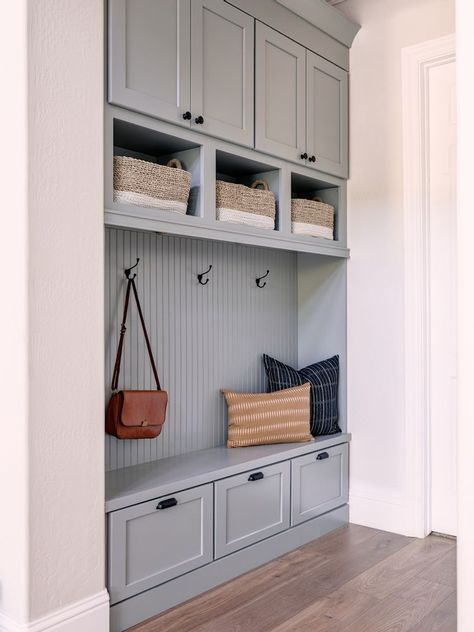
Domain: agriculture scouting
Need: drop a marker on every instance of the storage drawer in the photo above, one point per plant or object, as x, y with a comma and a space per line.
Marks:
155, 541
319, 482
251, 506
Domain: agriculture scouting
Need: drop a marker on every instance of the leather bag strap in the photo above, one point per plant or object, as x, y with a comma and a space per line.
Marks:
123, 329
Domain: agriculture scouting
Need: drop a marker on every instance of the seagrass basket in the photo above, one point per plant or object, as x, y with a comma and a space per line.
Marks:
312, 217
239, 204
148, 184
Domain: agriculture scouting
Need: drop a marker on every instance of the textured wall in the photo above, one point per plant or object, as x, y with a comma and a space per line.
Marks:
206, 338
66, 441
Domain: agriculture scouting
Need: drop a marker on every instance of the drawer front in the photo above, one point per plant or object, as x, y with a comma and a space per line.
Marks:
319, 483
155, 541
251, 506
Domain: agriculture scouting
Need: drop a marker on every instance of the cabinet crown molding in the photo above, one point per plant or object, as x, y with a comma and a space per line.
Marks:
325, 17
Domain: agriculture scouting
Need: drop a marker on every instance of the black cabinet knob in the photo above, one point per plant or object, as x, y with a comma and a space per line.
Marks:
199, 120
257, 476
304, 156
312, 158
187, 116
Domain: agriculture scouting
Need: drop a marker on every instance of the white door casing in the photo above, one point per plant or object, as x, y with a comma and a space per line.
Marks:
443, 296
419, 66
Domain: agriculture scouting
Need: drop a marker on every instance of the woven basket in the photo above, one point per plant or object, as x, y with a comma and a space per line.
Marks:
240, 204
148, 184
312, 217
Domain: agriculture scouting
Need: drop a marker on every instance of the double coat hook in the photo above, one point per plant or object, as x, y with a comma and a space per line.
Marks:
128, 270
200, 276
258, 279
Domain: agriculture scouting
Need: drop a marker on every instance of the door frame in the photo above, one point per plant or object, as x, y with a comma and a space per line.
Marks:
417, 61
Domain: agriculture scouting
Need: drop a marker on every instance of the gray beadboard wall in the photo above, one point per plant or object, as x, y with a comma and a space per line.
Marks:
206, 337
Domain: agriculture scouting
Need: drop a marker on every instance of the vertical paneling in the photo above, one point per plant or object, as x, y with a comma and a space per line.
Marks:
205, 337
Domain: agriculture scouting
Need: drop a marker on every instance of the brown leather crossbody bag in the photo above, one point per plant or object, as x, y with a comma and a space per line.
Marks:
135, 414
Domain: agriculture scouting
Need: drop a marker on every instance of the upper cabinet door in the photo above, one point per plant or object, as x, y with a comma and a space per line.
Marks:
280, 95
222, 71
149, 57
327, 116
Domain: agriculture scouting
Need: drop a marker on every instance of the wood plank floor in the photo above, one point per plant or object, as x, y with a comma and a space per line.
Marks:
353, 580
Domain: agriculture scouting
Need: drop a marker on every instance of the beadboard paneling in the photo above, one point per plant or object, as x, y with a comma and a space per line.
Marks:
205, 337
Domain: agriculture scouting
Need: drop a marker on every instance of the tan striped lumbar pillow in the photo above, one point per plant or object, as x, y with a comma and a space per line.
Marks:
261, 418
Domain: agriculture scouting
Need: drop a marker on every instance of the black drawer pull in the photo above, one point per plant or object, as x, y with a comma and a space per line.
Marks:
304, 156
322, 455
169, 502
256, 477
199, 120
187, 115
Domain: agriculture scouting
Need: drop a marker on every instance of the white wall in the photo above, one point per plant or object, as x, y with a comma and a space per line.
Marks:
379, 488
53, 547
13, 340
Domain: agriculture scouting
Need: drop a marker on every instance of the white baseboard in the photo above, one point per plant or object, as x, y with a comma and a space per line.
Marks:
88, 615
380, 514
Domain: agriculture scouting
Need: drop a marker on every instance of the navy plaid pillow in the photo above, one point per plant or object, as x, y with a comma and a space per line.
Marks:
324, 379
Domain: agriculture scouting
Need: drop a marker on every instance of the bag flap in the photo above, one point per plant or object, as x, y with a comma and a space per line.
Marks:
143, 408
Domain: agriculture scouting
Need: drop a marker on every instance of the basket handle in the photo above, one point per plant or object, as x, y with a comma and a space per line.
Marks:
257, 183
315, 198
174, 162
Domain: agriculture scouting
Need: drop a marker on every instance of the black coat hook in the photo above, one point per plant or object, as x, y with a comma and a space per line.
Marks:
128, 270
202, 274
257, 280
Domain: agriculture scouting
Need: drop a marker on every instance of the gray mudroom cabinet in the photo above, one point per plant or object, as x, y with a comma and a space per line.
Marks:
327, 116
196, 64
156, 541
190, 63
330, 468
188, 523
149, 56
279, 111
307, 121
236, 90
251, 506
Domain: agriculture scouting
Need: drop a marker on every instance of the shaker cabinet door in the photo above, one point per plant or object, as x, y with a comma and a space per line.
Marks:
149, 57
279, 95
327, 116
250, 507
222, 71
155, 541
319, 483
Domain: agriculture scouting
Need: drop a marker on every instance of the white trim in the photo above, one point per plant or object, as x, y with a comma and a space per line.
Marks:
382, 514
91, 614
465, 288
417, 62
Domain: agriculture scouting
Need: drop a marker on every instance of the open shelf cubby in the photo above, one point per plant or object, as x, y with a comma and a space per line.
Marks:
231, 167
304, 186
158, 147
208, 160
